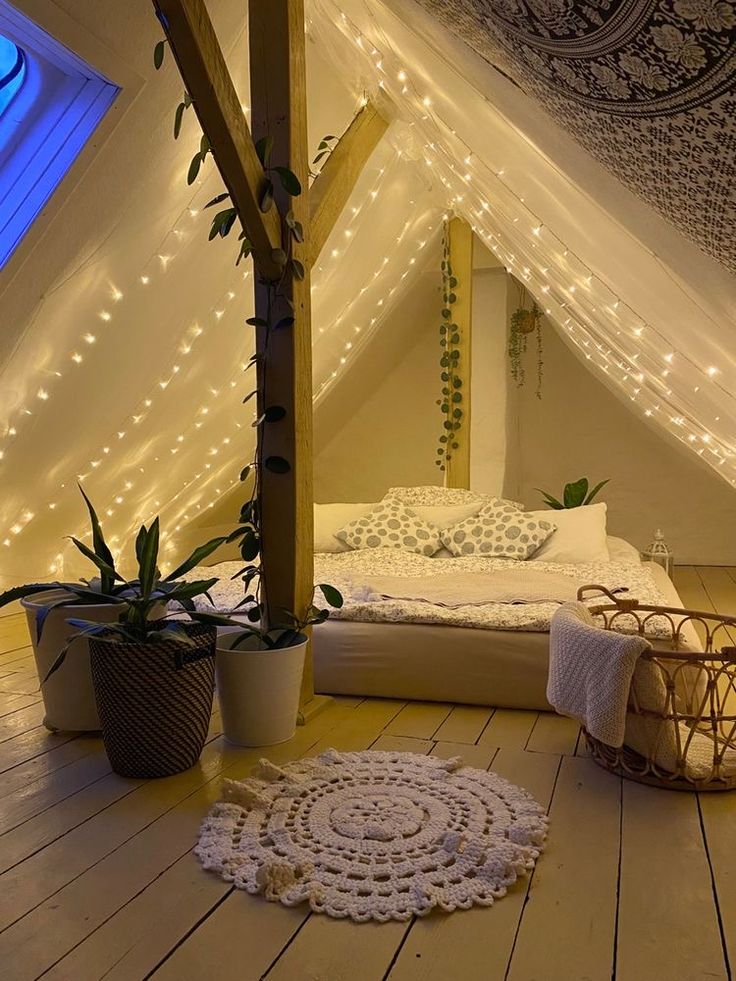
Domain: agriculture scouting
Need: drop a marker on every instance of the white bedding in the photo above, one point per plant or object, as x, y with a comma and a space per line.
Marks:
351, 572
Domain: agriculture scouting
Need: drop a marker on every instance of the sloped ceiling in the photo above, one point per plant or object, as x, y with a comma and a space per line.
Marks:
647, 86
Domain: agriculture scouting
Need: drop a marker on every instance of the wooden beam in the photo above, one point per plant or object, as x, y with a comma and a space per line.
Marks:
457, 473
279, 110
207, 80
334, 185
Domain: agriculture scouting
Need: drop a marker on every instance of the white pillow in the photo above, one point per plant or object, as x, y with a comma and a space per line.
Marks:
580, 535
620, 550
329, 519
391, 525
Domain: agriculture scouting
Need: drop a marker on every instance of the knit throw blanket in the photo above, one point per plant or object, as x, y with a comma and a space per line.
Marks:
590, 672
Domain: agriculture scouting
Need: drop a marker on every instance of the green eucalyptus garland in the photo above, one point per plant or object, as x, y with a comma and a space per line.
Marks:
452, 397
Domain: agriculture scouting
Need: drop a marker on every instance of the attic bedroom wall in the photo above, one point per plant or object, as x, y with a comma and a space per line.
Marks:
378, 426
579, 428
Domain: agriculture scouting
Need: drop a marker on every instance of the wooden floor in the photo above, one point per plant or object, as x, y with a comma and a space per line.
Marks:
97, 879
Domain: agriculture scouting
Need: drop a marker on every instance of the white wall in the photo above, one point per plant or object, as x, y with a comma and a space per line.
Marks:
489, 381
579, 428
380, 425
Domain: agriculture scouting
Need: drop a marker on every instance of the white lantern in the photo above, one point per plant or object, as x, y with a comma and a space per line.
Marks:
658, 551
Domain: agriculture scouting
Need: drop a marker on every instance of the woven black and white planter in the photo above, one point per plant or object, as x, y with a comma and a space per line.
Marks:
154, 701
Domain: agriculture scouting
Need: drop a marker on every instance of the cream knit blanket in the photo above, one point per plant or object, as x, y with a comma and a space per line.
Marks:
590, 672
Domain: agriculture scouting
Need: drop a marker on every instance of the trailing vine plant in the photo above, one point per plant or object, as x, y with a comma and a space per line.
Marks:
274, 628
524, 322
452, 397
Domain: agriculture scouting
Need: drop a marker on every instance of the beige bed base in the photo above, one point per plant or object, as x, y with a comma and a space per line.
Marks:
437, 663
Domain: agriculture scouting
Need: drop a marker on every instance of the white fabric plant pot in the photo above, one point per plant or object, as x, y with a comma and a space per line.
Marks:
258, 690
68, 696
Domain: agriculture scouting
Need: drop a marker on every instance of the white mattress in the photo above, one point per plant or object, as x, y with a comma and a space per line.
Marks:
435, 662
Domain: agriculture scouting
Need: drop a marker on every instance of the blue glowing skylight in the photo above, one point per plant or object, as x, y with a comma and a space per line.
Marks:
51, 102
12, 71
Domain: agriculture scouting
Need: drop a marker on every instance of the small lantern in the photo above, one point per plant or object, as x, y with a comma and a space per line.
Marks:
658, 551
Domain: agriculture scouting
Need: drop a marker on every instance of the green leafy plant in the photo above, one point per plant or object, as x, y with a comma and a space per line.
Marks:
524, 322
273, 628
575, 494
451, 402
138, 598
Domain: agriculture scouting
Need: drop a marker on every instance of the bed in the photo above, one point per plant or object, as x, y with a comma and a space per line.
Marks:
483, 654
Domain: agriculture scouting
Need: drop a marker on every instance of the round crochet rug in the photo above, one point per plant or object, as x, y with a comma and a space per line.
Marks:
373, 835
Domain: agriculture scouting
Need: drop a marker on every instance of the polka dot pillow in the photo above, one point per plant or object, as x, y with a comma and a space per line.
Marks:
391, 525
499, 532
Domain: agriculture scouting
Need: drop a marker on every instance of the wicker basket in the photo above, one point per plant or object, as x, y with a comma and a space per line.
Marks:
154, 701
681, 714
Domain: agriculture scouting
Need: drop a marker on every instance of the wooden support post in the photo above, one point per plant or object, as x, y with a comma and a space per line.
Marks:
279, 110
460, 233
202, 66
334, 185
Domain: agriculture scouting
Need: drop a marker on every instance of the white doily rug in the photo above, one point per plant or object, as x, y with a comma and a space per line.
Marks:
373, 835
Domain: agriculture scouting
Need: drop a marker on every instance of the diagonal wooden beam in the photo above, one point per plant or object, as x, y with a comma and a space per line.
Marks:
332, 188
202, 66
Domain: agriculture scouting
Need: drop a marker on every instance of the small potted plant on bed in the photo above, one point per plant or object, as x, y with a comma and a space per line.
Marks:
128, 620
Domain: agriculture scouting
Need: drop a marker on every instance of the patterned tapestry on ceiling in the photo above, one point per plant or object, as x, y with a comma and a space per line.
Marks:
647, 86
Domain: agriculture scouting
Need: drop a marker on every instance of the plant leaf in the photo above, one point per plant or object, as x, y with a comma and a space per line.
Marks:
178, 116
277, 464
104, 568
289, 181
264, 148
194, 168
158, 54
147, 563
574, 493
197, 557
217, 200
595, 490
332, 595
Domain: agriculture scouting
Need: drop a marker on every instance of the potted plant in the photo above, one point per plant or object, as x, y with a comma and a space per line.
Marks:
575, 494
260, 665
259, 673
65, 618
524, 322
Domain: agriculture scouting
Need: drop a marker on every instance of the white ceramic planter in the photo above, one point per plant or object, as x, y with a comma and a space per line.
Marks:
68, 695
258, 690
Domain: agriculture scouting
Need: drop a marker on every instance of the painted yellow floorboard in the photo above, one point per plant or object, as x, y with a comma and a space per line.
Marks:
46, 763
67, 917
475, 945
554, 734
509, 727
667, 922
23, 719
464, 724
342, 950
367, 721
479, 757
419, 720
568, 927
719, 821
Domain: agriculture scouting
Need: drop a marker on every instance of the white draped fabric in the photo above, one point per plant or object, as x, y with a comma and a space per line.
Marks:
123, 344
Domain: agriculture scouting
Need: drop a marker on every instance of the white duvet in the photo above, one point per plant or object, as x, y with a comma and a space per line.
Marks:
353, 572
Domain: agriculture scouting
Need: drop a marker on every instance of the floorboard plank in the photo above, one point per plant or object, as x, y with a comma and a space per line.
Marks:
572, 897
419, 720
509, 727
719, 821
464, 724
554, 734
46, 763
475, 944
20, 721
668, 925
67, 917
340, 949
479, 757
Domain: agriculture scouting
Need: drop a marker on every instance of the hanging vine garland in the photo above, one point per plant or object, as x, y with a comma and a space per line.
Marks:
451, 402
525, 322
